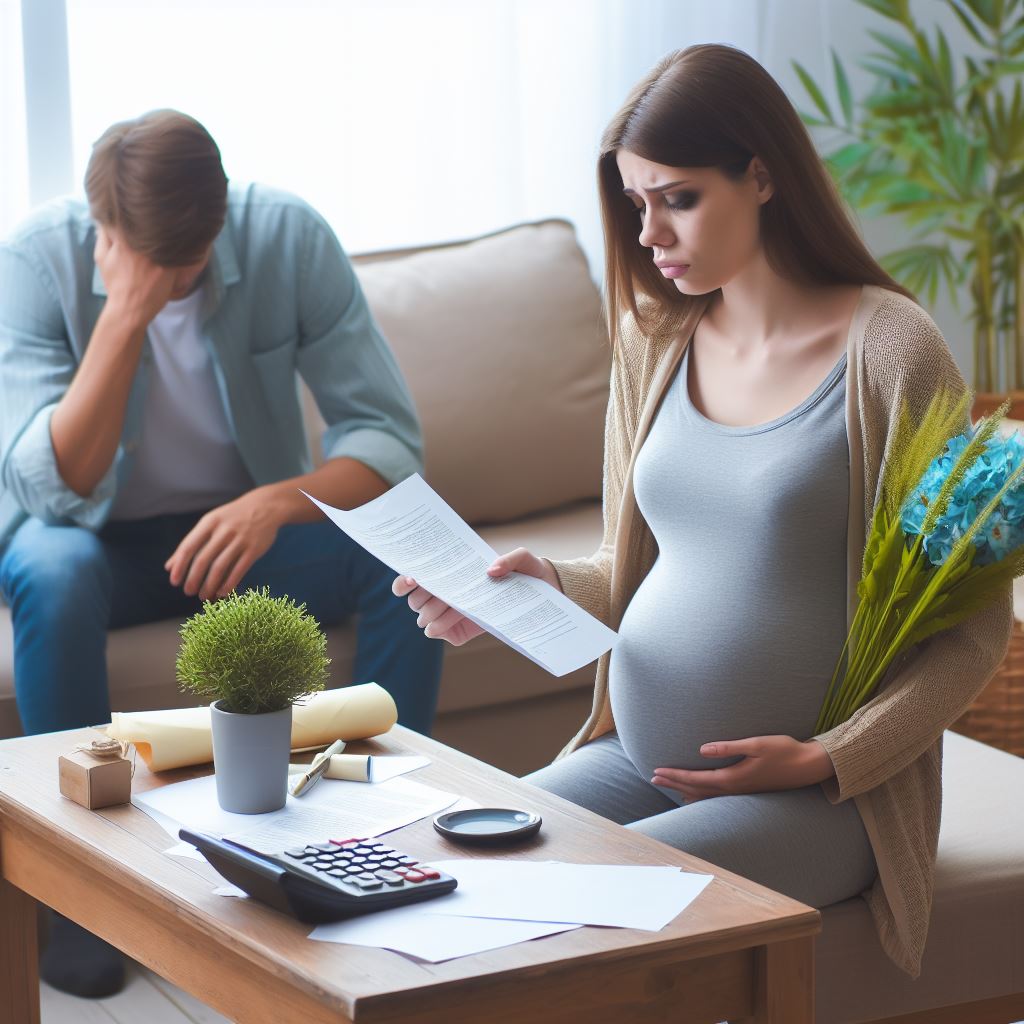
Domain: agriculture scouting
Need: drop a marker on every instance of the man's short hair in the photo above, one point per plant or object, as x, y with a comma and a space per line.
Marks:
158, 180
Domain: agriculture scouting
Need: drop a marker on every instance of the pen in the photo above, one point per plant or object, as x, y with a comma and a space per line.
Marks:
303, 783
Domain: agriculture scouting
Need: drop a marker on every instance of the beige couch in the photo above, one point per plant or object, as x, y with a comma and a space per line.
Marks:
500, 341
501, 344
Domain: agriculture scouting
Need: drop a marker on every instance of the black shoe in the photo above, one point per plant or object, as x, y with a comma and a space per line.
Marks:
80, 963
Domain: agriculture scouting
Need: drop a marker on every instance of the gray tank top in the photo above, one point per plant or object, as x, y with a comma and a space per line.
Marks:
736, 630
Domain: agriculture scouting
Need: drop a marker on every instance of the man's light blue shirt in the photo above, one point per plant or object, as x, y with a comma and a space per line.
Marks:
281, 297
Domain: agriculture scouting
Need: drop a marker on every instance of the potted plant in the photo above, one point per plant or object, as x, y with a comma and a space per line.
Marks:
946, 151
252, 656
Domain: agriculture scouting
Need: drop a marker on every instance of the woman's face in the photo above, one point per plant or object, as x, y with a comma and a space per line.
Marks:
701, 227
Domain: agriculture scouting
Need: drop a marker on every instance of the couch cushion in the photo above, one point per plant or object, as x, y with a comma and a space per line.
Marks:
975, 947
500, 341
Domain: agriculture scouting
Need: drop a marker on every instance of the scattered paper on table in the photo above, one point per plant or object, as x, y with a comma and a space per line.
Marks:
414, 531
383, 768
493, 904
623, 896
419, 932
230, 890
331, 810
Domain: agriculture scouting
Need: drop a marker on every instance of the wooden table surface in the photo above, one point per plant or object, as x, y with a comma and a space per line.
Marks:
739, 952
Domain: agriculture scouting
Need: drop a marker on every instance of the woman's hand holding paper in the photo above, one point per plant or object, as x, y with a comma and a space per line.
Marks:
769, 763
440, 620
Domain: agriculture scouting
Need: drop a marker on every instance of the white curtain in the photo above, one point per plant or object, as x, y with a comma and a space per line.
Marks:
14, 201
404, 121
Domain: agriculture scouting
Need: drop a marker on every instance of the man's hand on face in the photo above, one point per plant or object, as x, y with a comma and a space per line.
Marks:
137, 288
220, 549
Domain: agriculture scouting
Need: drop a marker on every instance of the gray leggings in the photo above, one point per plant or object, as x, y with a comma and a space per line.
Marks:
793, 841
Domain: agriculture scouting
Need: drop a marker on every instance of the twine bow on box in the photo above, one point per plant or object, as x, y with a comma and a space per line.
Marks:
105, 750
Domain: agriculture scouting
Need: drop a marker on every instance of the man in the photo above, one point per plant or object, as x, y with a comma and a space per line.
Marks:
151, 440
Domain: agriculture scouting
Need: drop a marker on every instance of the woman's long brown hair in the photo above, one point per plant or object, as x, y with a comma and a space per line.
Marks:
715, 106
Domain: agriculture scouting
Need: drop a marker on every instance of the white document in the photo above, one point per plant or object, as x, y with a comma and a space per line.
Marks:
389, 766
414, 531
330, 810
622, 896
419, 932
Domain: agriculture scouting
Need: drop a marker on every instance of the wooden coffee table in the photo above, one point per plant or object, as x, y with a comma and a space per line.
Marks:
739, 952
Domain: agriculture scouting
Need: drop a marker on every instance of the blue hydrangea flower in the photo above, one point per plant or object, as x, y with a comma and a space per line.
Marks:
1004, 530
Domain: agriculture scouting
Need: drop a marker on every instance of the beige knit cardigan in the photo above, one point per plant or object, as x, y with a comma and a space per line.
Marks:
888, 755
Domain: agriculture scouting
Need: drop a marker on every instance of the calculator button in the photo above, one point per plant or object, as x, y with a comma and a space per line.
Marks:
320, 865
353, 869
429, 873
338, 872
312, 849
367, 883
415, 876
407, 860
376, 858
390, 877
366, 874
345, 844
298, 854
358, 860
323, 847
389, 863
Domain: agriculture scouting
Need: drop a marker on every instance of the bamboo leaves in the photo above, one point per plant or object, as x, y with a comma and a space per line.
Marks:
943, 147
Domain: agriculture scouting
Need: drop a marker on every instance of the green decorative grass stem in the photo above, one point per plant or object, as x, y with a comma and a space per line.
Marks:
253, 652
903, 598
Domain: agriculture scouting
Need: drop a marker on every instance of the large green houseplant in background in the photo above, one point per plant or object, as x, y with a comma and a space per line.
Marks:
945, 150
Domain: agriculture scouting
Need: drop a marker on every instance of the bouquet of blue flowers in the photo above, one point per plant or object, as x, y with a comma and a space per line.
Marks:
947, 536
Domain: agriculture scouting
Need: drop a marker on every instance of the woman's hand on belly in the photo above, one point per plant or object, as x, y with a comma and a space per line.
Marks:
769, 763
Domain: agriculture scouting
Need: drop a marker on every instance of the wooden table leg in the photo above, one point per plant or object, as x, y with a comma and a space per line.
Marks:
784, 992
19, 956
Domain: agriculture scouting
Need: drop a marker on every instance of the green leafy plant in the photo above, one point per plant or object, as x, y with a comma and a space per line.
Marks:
945, 151
253, 652
947, 539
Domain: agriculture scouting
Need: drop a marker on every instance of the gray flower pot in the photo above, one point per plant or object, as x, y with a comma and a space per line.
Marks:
250, 759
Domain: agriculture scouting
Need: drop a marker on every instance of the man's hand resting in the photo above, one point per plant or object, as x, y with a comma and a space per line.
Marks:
769, 763
220, 549
438, 619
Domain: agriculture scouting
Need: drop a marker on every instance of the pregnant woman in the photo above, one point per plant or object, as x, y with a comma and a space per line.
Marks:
760, 358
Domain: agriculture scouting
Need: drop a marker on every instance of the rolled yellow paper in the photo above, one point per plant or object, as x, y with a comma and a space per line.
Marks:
349, 767
178, 738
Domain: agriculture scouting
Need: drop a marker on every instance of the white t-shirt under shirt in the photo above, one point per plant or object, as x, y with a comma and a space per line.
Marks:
186, 459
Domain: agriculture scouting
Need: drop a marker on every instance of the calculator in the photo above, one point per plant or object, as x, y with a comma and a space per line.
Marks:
325, 881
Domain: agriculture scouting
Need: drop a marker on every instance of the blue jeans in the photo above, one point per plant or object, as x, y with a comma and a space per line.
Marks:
67, 586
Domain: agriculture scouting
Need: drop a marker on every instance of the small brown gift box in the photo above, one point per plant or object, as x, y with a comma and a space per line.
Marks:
95, 782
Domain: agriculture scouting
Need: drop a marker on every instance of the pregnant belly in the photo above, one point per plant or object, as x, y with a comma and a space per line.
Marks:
682, 676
